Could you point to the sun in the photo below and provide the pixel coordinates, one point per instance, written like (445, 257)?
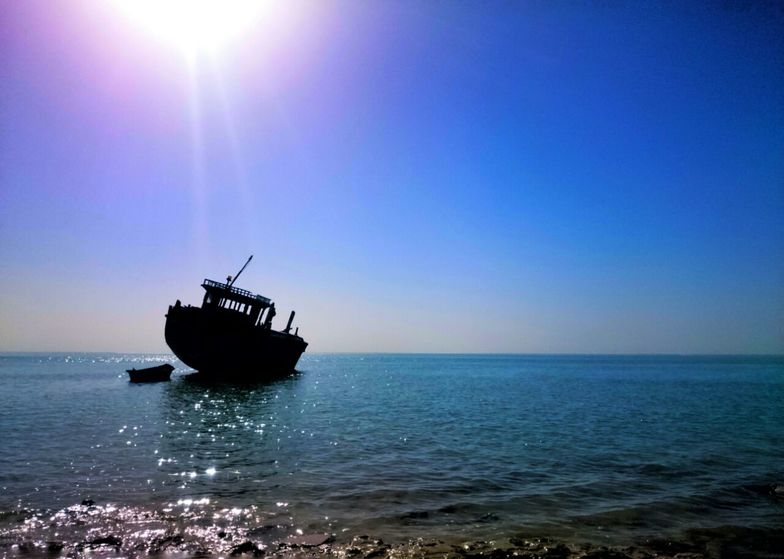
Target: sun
(195, 25)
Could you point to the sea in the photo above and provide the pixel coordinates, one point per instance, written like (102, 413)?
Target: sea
(452, 448)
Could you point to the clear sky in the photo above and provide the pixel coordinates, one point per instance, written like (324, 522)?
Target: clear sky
(459, 176)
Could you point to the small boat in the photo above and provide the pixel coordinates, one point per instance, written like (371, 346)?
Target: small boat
(231, 337)
(151, 374)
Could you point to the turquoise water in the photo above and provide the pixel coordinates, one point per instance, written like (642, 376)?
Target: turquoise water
(401, 446)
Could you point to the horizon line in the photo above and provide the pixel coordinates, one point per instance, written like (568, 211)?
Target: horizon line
(456, 353)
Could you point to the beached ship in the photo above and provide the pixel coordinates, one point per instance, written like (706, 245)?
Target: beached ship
(230, 336)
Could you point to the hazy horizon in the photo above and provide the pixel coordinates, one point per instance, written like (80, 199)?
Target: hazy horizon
(532, 178)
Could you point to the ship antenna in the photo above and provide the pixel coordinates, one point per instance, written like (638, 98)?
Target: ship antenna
(241, 269)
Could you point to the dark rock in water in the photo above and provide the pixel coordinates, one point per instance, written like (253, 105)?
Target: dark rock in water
(245, 547)
(88, 503)
(111, 541)
(494, 553)
(489, 517)
(54, 547)
(605, 554)
(560, 551)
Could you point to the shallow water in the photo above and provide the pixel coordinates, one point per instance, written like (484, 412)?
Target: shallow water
(587, 448)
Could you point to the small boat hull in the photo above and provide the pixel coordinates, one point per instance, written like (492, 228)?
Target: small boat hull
(151, 374)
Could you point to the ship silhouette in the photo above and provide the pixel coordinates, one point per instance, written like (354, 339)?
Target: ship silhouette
(231, 337)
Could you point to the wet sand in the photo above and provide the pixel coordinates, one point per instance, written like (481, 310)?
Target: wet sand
(90, 530)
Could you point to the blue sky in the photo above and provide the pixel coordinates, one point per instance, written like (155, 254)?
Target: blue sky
(517, 177)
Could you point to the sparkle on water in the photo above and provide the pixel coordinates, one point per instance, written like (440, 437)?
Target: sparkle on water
(589, 448)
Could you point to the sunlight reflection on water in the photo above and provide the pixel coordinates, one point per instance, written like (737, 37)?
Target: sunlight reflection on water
(406, 445)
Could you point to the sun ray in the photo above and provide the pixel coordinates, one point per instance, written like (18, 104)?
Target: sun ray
(247, 201)
(199, 223)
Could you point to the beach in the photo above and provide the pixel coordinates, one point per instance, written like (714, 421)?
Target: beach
(108, 531)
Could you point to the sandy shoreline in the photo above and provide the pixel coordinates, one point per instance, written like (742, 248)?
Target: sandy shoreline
(88, 530)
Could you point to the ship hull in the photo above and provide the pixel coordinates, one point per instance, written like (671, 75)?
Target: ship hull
(224, 345)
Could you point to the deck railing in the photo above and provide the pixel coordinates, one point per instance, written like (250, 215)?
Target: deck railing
(236, 290)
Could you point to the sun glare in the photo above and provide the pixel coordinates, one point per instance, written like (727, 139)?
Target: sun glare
(195, 25)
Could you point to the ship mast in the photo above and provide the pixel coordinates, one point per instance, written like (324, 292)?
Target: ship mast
(241, 270)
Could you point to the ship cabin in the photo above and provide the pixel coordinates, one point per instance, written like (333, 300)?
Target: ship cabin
(228, 298)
